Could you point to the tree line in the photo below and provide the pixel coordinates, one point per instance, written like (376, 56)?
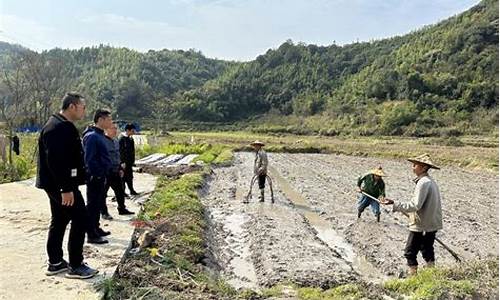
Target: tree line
(440, 79)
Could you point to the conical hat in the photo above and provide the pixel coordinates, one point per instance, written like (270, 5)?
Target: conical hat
(424, 159)
(378, 171)
(257, 143)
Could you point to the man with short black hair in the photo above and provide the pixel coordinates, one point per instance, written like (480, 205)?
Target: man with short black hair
(98, 166)
(127, 157)
(60, 170)
(114, 179)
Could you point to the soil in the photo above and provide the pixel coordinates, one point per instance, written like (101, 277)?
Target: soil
(311, 235)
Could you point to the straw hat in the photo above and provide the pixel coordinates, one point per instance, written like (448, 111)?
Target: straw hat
(424, 159)
(378, 171)
(257, 143)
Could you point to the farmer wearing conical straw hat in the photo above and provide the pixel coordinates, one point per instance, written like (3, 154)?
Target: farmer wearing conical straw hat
(424, 213)
(260, 166)
(373, 185)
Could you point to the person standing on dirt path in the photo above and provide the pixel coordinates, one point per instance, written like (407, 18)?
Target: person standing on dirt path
(60, 170)
(114, 179)
(98, 166)
(425, 215)
(260, 166)
(373, 185)
(127, 157)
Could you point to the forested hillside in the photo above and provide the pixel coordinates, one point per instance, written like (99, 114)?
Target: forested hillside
(442, 76)
(437, 80)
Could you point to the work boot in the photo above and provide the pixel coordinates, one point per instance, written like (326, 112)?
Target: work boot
(261, 197)
(412, 270)
(378, 217)
(359, 214)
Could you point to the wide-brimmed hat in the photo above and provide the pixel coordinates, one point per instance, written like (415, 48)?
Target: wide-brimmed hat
(378, 171)
(424, 159)
(257, 143)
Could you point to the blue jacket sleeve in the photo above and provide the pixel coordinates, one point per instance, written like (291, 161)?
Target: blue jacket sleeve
(91, 158)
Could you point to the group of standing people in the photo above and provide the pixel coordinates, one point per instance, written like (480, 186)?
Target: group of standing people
(66, 161)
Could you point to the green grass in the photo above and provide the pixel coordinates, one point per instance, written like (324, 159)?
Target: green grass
(23, 165)
(175, 215)
(352, 291)
(470, 280)
(468, 151)
(208, 153)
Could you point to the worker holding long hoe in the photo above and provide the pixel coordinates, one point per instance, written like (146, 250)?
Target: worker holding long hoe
(424, 213)
(372, 185)
(260, 166)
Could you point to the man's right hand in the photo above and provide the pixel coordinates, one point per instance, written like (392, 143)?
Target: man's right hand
(67, 199)
(386, 201)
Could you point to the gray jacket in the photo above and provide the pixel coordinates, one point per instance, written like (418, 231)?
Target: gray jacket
(425, 209)
(114, 153)
(260, 163)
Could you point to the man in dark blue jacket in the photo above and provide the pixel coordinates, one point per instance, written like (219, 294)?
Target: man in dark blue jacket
(60, 171)
(98, 166)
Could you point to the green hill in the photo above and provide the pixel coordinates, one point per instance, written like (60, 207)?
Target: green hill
(439, 80)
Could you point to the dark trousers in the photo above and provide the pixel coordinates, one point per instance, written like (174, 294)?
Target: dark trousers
(96, 199)
(128, 178)
(262, 181)
(420, 241)
(115, 182)
(61, 216)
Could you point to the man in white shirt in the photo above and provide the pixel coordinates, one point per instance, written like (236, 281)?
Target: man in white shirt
(425, 214)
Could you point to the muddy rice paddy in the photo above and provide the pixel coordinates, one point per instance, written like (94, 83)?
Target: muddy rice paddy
(311, 235)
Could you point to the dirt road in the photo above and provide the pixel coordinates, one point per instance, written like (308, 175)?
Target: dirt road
(24, 220)
(311, 234)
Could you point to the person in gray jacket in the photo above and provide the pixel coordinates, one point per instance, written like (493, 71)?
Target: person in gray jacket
(260, 166)
(114, 178)
(425, 215)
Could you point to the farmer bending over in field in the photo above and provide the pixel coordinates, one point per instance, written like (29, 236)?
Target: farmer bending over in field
(373, 185)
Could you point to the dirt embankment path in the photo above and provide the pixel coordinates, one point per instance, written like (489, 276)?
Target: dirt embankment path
(311, 234)
(24, 221)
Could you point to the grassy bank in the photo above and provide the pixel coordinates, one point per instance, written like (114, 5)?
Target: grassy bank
(467, 152)
(471, 280)
(168, 262)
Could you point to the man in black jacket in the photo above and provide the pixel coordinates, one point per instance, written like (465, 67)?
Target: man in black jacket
(127, 156)
(60, 171)
(98, 166)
